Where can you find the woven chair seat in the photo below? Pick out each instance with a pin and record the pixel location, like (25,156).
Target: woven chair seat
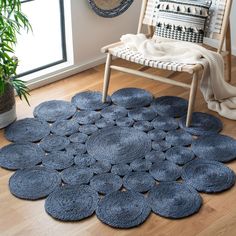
(123,52)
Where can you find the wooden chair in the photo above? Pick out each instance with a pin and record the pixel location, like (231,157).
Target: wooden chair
(218,28)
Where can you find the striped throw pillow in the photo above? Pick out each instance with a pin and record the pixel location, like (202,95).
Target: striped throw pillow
(182,19)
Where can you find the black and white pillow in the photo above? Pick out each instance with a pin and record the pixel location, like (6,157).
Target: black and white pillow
(182,19)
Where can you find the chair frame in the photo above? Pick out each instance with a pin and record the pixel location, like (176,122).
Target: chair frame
(193,70)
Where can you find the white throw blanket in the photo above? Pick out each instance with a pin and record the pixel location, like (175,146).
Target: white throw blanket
(219,95)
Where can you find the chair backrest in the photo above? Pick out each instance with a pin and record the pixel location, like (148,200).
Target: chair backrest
(216,25)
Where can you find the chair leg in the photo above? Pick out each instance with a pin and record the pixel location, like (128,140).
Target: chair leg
(107,75)
(229,56)
(192,96)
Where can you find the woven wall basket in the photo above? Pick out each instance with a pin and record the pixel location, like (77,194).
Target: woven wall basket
(7,107)
(110,8)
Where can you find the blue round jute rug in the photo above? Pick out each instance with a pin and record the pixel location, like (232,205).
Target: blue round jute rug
(87,117)
(180,155)
(89,100)
(54,110)
(123,209)
(215,147)
(174,200)
(165,171)
(72,203)
(142,113)
(58,160)
(170,106)
(130,148)
(155,156)
(121,169)
(132,98)
(20,156)
(202,124)
(139,181)
(106,183)
(165,123)
(118,145)
(114,112)
(179,138)
(75,175)
(34,183)
(54,143)
(27,130)
(208,176)
(65,127)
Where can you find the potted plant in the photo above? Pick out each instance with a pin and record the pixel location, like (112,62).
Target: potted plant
(12,21)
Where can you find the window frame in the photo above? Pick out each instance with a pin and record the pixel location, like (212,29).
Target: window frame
(63,43)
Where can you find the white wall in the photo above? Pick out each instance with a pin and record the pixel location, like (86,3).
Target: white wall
(91,32)
(233,27)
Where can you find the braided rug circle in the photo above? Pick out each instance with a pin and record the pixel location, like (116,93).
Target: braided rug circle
(202,124)
(71,203)
(174,200)
(89,100)
(87,117)
(165,171)
(142,113)
(20,155)
(34,183)
(124,122)
(131,97)
(208,176)
(27,130)
(157,135)
(121,169)
(215,147)
(114,112)
(58,160)
(139,181)
(170,106)
(78,138)
(83,160)
(165,123)
(179,138)
(180,155)
(65,127)
(123,209)
(76,175)
(141,165)
(155,156)
(106,183)
(118,145)
(54,143)
(104,122)
(54,110)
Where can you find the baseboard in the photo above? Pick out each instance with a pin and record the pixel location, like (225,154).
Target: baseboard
(63,73)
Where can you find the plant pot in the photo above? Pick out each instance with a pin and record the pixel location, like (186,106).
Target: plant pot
(7,107)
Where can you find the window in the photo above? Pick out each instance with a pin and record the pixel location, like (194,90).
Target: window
(45,46)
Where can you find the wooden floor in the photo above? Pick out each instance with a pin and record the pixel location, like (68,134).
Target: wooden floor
(18,217)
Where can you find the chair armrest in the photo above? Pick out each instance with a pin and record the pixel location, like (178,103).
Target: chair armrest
(106,48)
